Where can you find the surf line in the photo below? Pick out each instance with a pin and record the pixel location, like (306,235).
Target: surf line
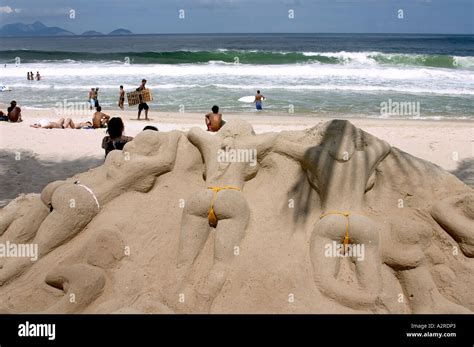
(90,191)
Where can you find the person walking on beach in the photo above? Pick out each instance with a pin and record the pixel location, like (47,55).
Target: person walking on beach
(258,100)
(121,98)
(142,105)
(214,120)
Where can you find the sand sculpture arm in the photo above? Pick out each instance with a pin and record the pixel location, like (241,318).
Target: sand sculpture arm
(166,156)
(263,144)
(376,149)
(201,140)
(456,216)
(295,151)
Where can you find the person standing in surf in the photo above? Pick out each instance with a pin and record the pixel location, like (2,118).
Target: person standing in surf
(96,98)
(121,98)
(258,100)
(91,98)
(142,105)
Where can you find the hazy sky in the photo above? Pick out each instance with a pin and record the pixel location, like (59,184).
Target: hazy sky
(242,16)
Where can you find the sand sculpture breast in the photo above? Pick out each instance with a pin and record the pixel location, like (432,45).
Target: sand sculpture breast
(193,222)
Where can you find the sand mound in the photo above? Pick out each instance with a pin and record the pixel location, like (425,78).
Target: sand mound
(327,220)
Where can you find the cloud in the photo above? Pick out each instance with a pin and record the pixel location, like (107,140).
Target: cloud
(8,10)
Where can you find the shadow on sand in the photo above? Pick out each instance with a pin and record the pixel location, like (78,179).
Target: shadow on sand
(465,171)
(30,174)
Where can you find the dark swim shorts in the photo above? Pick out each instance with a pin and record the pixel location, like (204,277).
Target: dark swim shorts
(143,106)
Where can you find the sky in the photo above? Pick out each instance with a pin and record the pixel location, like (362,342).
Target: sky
(246,16)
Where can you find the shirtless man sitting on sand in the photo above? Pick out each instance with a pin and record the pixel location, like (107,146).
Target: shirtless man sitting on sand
(99,119)
(14,113)
(214,120)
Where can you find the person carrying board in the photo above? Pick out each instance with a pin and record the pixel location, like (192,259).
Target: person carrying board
(258,100)
(142,105)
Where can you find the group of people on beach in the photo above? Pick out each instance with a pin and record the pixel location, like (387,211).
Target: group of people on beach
(31,77)
(99,120)
(115,126)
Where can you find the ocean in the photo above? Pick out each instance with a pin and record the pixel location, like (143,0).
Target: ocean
(331,75)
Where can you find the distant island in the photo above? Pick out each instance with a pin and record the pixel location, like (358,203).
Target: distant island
(92,33)
(39,29)
(121,32)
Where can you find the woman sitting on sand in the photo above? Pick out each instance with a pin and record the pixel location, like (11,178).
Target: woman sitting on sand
(116,139)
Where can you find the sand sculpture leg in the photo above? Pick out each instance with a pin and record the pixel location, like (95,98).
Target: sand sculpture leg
(408,260)
(73,205)
(20,220)
(456,216)
(423,294)
(363,233)
(73,209)
(81,283)
(233,215)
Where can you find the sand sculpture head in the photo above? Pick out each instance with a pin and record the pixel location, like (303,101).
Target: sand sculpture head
(236,128)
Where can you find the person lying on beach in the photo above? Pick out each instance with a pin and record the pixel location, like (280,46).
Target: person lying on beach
(3,117)
(115,139)
(14,113)
(150,127)
(99,119)
(214,120)
(46,124)
(69,123)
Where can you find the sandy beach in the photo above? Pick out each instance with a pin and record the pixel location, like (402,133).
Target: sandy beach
(31,158)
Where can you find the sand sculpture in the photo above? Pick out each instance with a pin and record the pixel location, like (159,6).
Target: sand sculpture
(221,205)
(175,223)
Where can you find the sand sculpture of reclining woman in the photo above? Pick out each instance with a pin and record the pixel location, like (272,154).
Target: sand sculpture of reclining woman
(75,202)
(221,205)
(341,168)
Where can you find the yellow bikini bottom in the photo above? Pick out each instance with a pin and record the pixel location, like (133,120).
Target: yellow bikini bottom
(345,214)
(211,215)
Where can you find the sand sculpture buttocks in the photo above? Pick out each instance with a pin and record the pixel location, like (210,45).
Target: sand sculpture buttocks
(331,219)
